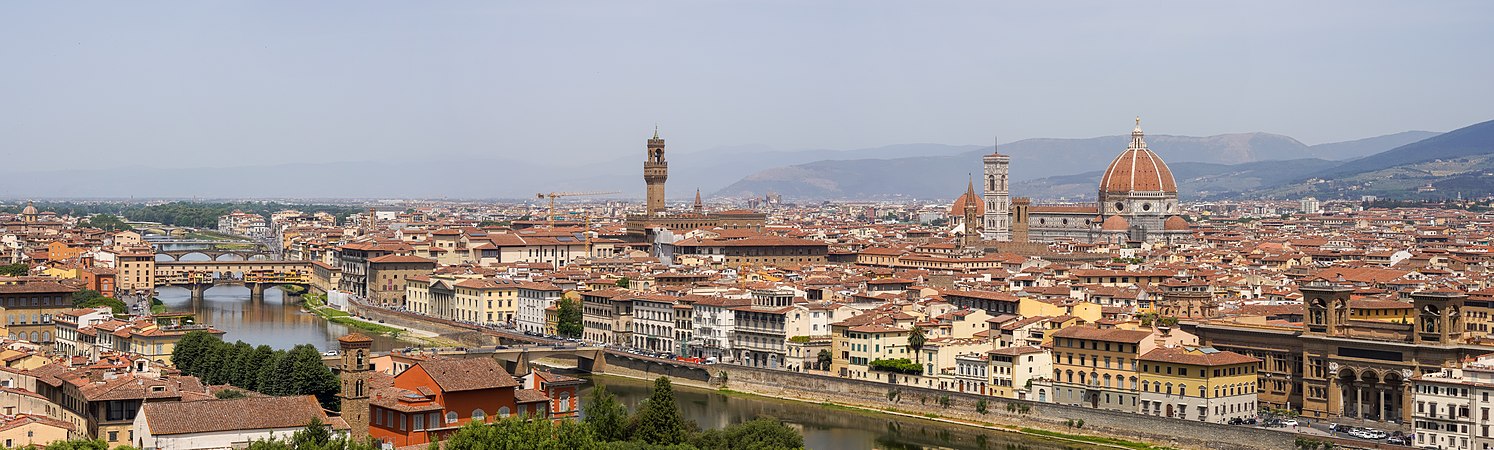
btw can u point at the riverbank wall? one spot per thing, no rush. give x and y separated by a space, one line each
465 334
1000 412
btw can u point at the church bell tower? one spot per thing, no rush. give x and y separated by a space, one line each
655 171
353 373
997 197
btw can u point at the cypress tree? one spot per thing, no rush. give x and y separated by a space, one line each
659 421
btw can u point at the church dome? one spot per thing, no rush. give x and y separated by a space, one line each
1115 223
1138 169
1176 223
958 209
29 210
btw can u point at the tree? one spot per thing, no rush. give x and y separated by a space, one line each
568 318
624 282
315 435
824 358
94 444
762 433
241 371
15 270
190 350
268 379
658 420
916 339
606 416
89 298
518 433
106 222
263 356
308 375
229 393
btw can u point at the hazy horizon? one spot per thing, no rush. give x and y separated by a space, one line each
204 84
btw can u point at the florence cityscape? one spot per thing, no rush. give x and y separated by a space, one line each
749 225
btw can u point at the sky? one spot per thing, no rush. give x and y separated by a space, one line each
231 83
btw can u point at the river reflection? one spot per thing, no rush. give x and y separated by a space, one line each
827 428
272 322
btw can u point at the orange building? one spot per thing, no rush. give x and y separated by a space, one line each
60 251
99 279
561 390
435 397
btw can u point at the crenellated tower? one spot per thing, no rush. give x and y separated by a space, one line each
655 171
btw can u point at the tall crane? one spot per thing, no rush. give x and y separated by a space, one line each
553 195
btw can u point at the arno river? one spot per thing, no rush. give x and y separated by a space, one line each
276 321
825 428
281 324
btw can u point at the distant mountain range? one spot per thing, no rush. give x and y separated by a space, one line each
1206 167
1034 161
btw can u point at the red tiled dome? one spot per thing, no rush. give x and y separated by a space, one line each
958 209
1138 169
1115 223
1176 223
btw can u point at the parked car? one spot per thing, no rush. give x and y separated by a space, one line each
1289 423
330 353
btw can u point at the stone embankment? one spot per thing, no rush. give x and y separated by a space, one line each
1007 414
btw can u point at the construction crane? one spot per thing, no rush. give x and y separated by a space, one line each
553 195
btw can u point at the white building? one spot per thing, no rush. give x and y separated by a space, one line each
534 299
1310 205
1452 407
714 323
1013 369
653 323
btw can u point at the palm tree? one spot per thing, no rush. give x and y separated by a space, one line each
916 339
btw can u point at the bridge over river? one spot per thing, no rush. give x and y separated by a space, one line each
199 276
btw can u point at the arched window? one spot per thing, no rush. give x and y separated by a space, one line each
1169 388
34 336
565 401
359 364
358 388
479 416
1183 390
503 412
451 417
46 336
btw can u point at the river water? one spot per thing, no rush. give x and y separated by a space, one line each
281 325
827 428
274 321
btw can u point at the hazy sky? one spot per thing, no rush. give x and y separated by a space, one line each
204 83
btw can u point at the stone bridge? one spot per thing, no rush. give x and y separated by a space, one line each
515 359
214 250
199 276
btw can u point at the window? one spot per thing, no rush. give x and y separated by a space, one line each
503 412
478 415
419 422
451 417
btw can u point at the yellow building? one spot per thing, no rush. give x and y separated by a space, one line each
866 343
27 430
1377 310
1098 368
1198 383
